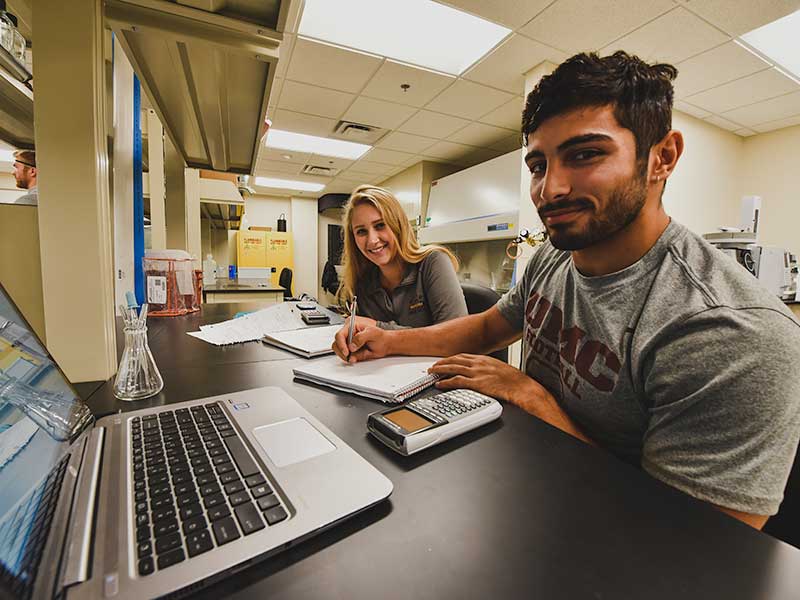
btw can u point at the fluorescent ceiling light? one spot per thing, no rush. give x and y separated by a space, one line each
289 184
418 32
300 142
779 41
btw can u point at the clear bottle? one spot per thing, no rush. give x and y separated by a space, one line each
7 29
19 43
209 270
138 376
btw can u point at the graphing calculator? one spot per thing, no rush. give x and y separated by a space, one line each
315 317
423 423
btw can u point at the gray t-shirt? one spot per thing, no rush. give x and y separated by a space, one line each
682 363
428 294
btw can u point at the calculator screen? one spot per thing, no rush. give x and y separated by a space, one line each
408 420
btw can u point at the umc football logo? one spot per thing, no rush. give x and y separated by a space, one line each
567 352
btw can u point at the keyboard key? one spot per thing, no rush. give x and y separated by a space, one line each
181 477
213 500
163 513
255 480
238 498
185 488
168 542
210 488
275 515
225 531
232 488
194 525
198 471
142 520
218 512
268 502
199 542
161 502
205 479
221 458
146 566
171 558
143 533
165 528
244 462
144 549
228 477
190 511
186 499
225 468
261 490
248 518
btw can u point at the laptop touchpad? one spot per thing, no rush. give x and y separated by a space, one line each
292 441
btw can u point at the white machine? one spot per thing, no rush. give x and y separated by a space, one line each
423 423
774 266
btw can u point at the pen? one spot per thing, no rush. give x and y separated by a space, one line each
353 310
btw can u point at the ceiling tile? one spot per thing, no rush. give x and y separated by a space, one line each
745 132
278 155
715 67
468 100
480 155
670 38
302 123
367 167
425 85
506 66
378 113
740 16
768 110
509 115
690 109
405 142
331 67
448 150
778 124
276 168
723 123
576 25
342 186
426 123
479 134
387 157
742 92
332 162
509 144
304 98
511 13
274 94
285 54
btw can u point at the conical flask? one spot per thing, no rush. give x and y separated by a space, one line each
138 376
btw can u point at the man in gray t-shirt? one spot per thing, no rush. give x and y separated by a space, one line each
639 337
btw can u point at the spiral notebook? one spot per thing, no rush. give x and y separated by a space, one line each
391 379
308 342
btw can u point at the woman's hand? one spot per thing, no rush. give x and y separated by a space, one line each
340 340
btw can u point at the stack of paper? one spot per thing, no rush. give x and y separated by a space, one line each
309 342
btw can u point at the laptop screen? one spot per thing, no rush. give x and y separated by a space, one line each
40 416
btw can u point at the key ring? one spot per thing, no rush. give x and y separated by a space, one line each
538 236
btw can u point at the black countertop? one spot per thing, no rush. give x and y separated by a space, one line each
240 285
516 509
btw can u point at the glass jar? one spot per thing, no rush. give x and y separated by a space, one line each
138 376
7 30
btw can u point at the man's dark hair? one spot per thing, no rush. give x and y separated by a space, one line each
641 95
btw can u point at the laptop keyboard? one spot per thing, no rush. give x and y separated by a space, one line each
195 486
24 532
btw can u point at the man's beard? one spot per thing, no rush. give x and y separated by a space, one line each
624 205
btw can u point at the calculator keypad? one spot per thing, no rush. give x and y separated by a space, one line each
451 404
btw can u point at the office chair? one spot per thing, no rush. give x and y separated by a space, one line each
479 298
285 281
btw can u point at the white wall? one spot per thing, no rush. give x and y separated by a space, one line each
304 221
770 165
705 190
263 211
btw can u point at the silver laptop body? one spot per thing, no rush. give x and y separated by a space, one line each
227 481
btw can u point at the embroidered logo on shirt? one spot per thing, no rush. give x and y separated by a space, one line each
416 305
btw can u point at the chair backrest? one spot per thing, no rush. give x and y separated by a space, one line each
285 281
480 298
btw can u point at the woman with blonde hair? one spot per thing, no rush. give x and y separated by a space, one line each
399 284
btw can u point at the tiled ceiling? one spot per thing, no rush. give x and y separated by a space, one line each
472 118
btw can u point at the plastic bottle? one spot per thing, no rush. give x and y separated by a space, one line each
209 270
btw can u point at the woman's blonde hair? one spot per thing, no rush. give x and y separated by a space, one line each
408 248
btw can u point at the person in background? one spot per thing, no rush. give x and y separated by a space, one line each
640 337
25 175
399 284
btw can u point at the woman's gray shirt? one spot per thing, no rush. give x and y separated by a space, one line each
429 293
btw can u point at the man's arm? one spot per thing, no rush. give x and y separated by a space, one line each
480 333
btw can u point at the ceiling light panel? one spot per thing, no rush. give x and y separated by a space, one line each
288 184
300 142
444 39
779 42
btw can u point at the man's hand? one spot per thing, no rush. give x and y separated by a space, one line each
369 341
502 381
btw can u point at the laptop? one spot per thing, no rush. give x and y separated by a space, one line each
156 501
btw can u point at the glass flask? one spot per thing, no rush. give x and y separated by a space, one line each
138 376
59 414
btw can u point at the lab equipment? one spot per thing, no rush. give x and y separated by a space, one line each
315 317
138 376
532 238
210 270
173 283
429 421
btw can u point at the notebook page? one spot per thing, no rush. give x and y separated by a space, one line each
385 377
